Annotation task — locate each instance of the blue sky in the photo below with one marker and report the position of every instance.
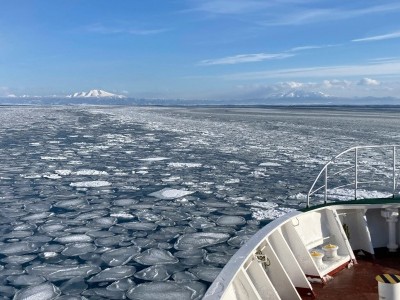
(200, 49)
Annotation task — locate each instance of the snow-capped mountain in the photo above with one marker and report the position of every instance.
(299, 94)
(96, 94)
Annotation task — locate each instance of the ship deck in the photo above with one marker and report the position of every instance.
(359, 281)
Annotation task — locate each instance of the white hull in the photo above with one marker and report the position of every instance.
(281, 260)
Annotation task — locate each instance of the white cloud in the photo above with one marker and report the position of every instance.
(335, 83)
(244, 58)
(368, 82)
(392, 35)
(310, 47)
(332, 87)
(307, 16)
(377, 69)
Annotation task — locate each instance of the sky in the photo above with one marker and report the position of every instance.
(200, 49)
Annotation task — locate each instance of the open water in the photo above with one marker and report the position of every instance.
(150, 203)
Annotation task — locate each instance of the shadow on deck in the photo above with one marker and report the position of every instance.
(359, 281)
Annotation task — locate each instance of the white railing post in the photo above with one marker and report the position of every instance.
(326, 184)
(394, 170)
(356, 174)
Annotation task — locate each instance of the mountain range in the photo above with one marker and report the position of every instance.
(290, 97)
(95, 94)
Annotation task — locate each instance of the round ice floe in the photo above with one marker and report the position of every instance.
(201, 223)
(52, 248)
(17, 234)
(113, 274)
(63, 272)
(120, 256)
(109, 241)
(156, 256)
(154, 273)
(18, 248)
(44, 291)
(76, 249)
(239, 241)
(150, 159)
(139, 226)
(18, 260)
(37, 217)
(170, 193)
(217, 258)
(20, 280)
(88, 172)
(105, 222)
(144, 243)
(104, 294)
(74, 286)
(184, 276)
(231, 221)
(167, 291)
(72, 204)
(98, 183)
(192, 253)
(122, 216)
(48, 228)
(121, 285)
(74, 238)
(206, 273)
(200, 240)
(37, 207)
(125, 202)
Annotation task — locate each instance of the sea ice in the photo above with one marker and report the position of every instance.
(88, 172)
(73, 286)
(18, 248)
(139, 226)
(109, 241)
(104, 294)
(200, 240)
(113, 274)
(44, 291)
(74, 238)
(76, 249)
(72, 204)
(54, 272)
(206, 273)
(184, 276)
(155, 256)
(120, 256)
(63, 172)
(167, 291)
(20, 280)
(154, 159)
(98, 183)
(18, 260)
(167, 193)
(121, 285)
(231, 221)
(154, 273)
(184, 165)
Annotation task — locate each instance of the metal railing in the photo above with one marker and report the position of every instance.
(388, 152)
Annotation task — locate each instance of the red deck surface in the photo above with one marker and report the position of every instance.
(358, 282)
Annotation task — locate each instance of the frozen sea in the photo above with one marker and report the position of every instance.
(151, 202)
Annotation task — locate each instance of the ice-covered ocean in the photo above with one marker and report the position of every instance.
(150, 203)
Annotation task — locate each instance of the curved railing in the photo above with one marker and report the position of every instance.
(352, 170)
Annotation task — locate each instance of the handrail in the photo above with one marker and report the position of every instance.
(324, 171)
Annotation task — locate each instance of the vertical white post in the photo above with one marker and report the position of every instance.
(356, 174)
(326, 184)
(394, 170)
